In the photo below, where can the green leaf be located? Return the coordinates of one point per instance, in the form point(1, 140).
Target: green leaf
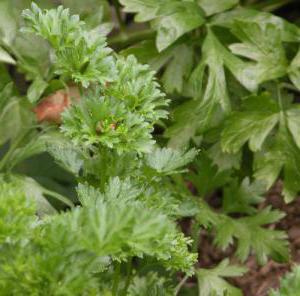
point(186, 120)
point(282, 155)
point(17, 213)
point(8, 23)
point(158, 286)
point(288, 32)
point(146, 9)
point(177, 21)
point(94, 12)
point(178, 69)
point(241, 198)
point(5, 57)
point(294, 70)
point(80, 54)
point(31, 190)
point(263, 44)
point(170, 18)
point(197, 115)
point(276, 152)
point(260, 115)
point(249, 232)
point(15, 115)
point(211, 282)
point(206, 177)
point(124, 121)
point(36, 89)
point(293, 123)
point(215, 6)
point(169, 161)
point(224, 161)
point(215, 58)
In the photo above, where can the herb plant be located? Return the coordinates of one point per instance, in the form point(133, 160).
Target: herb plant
point(111, 137)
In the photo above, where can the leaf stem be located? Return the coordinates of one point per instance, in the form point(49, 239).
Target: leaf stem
point(195, 236)
point(289, 87)
point(116, 280)
point(180, 285)
point(119, 15)
point(122, 41)
point(59, 197)
point(279, 96)
point(129, 277)
point(13, 146)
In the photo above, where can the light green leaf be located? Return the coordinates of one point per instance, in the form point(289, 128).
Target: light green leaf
point(8, 23)
point(254, 124)
point(293, 123)
point(216, 6)
point(241, 198)
point(170, 18)
point(288, 32)
point(188, 118)
point(32, 191)
point(178, 69)
point(158, 286)
point(216, 57)
point(36, 89)
point(169, 161)
point(146, 9)
point(206, 177)
point(211, 282)
point(5, 57)
point(224, 161)
point(185, 18)
point(282, 155)
point(294, 70)
point(213, 59)
point(263, 44)
point(249, 231)
point(15, 115)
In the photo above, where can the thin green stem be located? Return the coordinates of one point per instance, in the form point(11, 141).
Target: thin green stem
point(122, 41)
point(5, 160)
point(129, 277)
point(289, 87)
point(116, 280)
point(283, 117)
point(195, 236)
point(119, 15)
point(180, 285)
point(58, 197)
point(279, 96)
point(271, 5)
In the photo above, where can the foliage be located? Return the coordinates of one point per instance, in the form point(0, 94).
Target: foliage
point(211, 280)
point(112, 132)
point(289, 284)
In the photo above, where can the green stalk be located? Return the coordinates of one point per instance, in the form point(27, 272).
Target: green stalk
point(119, 15)
point(271, 5)
point(195, 236)
point(58, 197)
point(180, 285)
point(5, 160)
point(122, 41)
point(289, 87)
point(129, 277)
point(116, 280)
